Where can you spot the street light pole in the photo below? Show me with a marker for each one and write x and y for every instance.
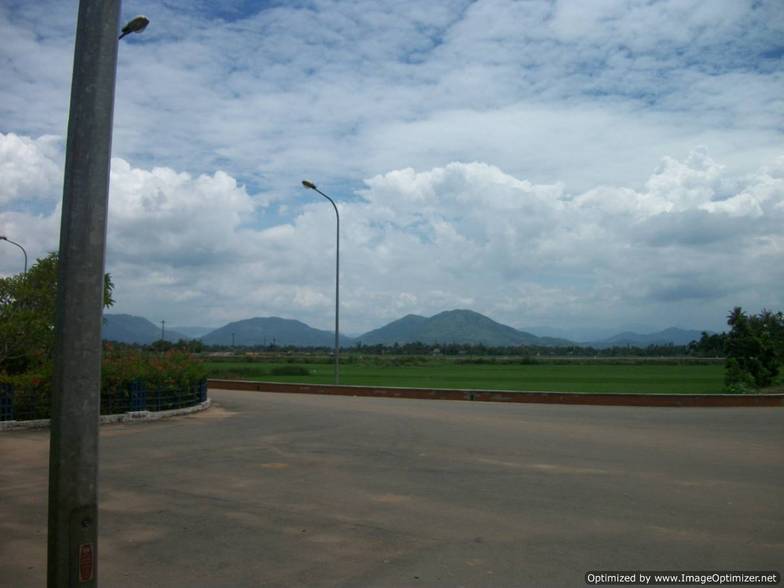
(76, 381)
(4, 238)
(312, 186)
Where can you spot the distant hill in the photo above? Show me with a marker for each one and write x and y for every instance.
(193, 332)
(126, 328)
(268, 330)
(453, 326)
(401, 331)
(577, 334)
(672, 336)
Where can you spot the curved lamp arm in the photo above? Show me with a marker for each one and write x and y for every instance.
(4, 238)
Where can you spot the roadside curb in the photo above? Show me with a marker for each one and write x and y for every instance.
(677, 400)
(126, 417)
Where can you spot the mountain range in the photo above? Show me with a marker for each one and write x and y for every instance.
(193, 332)
(453, 326)
(272, 330)
(126, 328)
(665, 337)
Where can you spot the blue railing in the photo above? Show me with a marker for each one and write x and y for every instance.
(133, 398)
(6, 402)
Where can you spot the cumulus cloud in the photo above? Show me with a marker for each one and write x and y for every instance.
(162, 214)
(688, 245)
(27, 168)
(605, 251)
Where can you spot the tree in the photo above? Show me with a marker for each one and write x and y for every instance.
(27, 316)
(191, 346)
(161, 346)
(771, 326)
(755, 348)
(711, 345)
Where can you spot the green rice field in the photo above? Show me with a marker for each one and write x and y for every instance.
(546, 377)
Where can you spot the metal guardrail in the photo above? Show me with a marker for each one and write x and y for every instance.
(134, 398)
(6, 402)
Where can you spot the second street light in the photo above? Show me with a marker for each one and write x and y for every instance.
(312, 186)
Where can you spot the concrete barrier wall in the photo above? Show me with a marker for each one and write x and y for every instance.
(127, 417)
(717, 400)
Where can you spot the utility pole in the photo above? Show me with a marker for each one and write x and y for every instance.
(163, 330)
(73, 454)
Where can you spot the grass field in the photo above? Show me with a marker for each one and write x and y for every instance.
(612, 378)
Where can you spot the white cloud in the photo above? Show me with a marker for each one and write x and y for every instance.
(162, 214)
(462, 235)
(27, 168)
(605, 249)
(340, 91)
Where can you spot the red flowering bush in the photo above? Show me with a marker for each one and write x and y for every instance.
(174, 374)
(31, 394)
(166, 380)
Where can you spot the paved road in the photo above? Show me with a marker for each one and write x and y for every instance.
(289, 490)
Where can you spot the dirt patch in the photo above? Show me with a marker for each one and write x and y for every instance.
(390, 498)
(24, 448)
(274, 466)
(214, 412)
(128, 501)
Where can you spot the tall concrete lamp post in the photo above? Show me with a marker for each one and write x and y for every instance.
(76, 382)
(312, 186)
(4, 238)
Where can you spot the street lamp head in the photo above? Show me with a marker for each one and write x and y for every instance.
(308, 184)
(3, 238)
(135, 25)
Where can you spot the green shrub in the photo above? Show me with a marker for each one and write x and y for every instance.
(736, 379)
(174, 372)
(173, 369)
(31, 395)
(755, 348)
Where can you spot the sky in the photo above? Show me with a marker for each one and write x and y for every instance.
(576, 165)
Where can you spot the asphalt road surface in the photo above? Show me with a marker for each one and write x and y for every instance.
(294, 490)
